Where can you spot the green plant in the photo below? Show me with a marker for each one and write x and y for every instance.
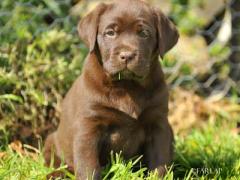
(40, 56)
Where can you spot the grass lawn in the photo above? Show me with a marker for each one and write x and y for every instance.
(210, 153)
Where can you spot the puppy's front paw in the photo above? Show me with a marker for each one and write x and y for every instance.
(162, 171)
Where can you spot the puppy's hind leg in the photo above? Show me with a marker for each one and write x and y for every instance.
(49, 152)
(51, 157)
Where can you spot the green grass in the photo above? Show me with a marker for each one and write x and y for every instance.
(211, 153)
(16, 166)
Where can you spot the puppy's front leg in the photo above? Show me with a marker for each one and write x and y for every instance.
(86, 154)
(159, 147)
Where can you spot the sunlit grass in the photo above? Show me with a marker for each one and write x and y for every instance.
(211, 153)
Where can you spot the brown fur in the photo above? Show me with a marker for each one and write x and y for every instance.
(101, 113)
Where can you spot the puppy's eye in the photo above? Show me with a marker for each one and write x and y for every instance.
(110, 33)
(143, 33)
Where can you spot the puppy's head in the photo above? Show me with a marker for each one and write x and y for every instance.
(129, 34)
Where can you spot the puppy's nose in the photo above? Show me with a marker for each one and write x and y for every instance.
(127, 56)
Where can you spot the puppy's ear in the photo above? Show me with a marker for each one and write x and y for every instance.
(167, 33)
(88, 26)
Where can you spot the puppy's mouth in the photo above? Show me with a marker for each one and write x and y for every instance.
(126, 74)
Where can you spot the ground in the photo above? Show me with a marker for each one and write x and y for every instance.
(210, 153)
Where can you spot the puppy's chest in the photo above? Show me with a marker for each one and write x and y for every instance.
(126, 139)
(132, 105)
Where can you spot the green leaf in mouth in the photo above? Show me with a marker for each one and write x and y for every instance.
(119, 76)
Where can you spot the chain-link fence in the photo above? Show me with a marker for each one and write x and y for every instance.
(215, 71)
(41, 55)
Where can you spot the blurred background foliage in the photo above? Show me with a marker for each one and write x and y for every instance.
(41, 55)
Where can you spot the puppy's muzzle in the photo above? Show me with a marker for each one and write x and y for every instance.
(127, 56)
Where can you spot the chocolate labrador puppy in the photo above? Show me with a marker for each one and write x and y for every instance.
(120, 101)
